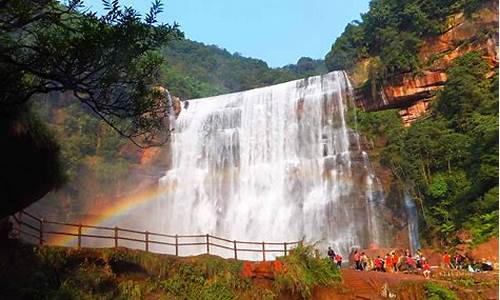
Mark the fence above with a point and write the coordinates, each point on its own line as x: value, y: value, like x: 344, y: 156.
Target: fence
x: 38, y: 229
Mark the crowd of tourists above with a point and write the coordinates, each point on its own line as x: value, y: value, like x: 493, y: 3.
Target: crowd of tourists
x: 395, y: 262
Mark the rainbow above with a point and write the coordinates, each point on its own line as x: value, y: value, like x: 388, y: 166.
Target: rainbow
x: 111, y: 213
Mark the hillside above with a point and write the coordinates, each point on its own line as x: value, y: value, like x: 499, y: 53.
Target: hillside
x: 427, y: 95
x: 195, y: 70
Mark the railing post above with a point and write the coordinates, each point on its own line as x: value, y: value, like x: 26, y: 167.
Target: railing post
x: 116, y: 237
x: 208, y: 244
x: 263, y: 251
x: 235, y: 250
x: 284, y: 247
x: 176, y: 245
x: 147, y: 240
x: 79, y: 235
x: 41, y: 232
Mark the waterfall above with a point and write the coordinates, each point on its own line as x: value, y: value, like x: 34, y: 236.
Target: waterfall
x: 411, y: 211
x: 278, y: 163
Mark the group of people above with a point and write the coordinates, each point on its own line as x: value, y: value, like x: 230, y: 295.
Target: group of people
x: 395, y: 262
x: 460, y: 262
x: 392, y: 262
x: 335, y: 257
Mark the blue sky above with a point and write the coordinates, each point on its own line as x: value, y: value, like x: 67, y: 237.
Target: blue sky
x: 276, y: 31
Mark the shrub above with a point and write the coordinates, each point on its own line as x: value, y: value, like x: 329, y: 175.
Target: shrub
x: 303, y: 271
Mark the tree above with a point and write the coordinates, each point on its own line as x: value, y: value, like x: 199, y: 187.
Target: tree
x: 109, y: 64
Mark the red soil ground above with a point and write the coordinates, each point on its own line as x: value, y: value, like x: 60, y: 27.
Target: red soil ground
x: 377, y: 285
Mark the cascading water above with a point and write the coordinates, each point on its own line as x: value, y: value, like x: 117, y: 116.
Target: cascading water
x: 411, y: 212
x: 277, y: 163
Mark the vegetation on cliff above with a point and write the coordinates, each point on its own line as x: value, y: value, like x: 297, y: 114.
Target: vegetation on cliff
x: 449, y: 160
x: 60, y: 273
x: 391, y: 34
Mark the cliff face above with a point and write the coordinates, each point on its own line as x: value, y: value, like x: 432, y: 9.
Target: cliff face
x: 30, y: 164
x: 411, y: 93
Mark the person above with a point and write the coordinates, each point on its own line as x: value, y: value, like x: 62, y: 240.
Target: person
x: 410, y: 263
x: 357, y: 260
x: 395, y: 261
x: 378, y: 264
x: 364, y: 261
x: 388, y: 263
x: 418, y: 261
x: 447, y: 260
x: 459, y: 260
x: 427, y: 270
x: 486, y: 265
x: 331, y: 253
x: 407, y: 252
x: 338, y: 259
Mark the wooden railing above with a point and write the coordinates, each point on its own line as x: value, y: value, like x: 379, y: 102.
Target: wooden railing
x: 28, y: 226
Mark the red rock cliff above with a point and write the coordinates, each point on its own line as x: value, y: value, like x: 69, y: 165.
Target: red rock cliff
x: 413, y: 93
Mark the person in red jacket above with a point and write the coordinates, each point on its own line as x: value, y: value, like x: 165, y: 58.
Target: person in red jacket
x: 410, y: 263
x: 427, y: 270
x: 395, y: 262
x: 388, y: 263
x: 447, y: 260
x: 378, y: 264
x: 338, y: 259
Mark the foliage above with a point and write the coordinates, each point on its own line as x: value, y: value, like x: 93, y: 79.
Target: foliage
x: 347, y: 49
x: 304, y: 271
x: 392, y: 31
x: 450, y: 158
x: 435, y: 291
x: 107, y: 62
x: 196, y: 70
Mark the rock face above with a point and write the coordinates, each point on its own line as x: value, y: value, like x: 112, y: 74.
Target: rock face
x: 30, y: 159
x: 413, y: 93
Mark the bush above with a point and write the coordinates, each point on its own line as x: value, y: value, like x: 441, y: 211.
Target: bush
x: 303, y: 271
